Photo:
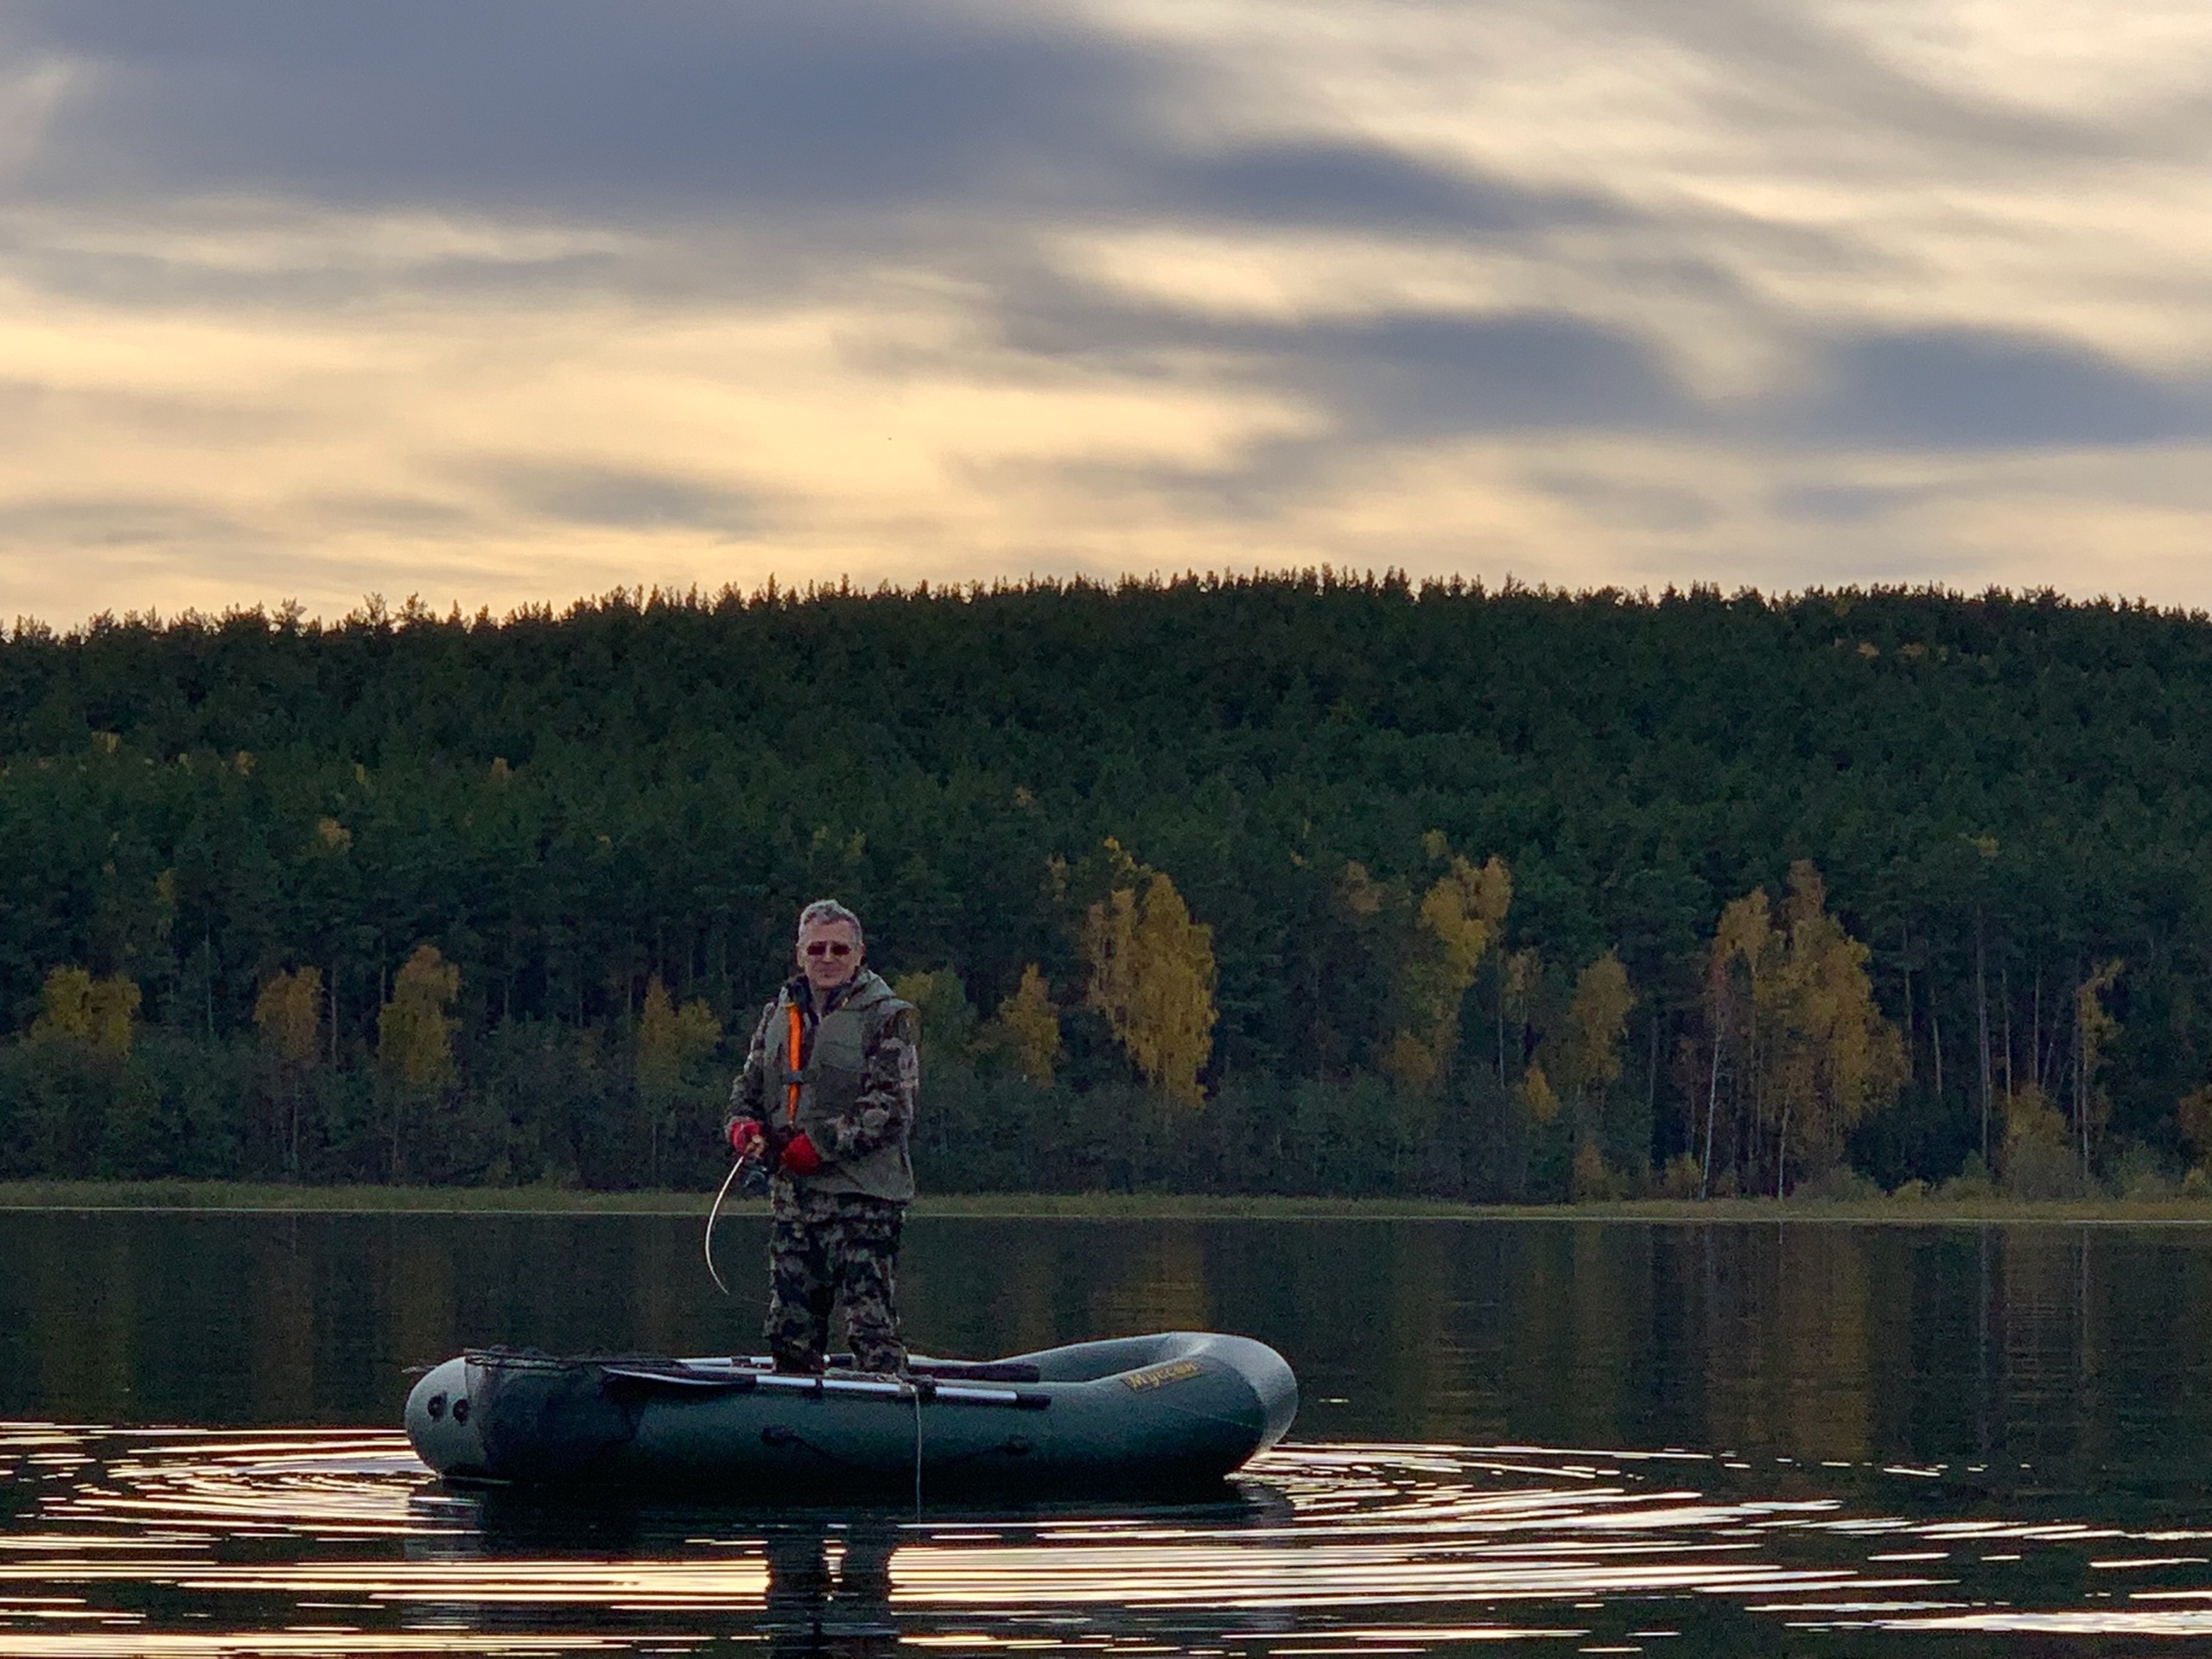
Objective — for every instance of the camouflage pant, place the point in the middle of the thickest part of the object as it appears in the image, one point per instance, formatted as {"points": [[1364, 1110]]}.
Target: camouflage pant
{"points": [[825, 1248]]}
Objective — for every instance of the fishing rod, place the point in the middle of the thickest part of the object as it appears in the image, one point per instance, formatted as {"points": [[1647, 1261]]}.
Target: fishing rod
{"points": [[751, 1165]]}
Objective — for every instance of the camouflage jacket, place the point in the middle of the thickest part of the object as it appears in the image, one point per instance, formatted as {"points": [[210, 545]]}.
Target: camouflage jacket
{"points": [[853, 1093]]}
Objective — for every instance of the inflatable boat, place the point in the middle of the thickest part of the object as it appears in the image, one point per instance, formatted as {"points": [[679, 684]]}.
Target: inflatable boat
{"points": [[1177, 1410]]}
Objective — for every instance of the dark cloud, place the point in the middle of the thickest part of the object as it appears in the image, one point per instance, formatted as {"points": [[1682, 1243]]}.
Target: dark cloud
{"points": [[1355, 186], [869, 123], [1647, 506], [127, 278], [1967, 389], [1458, 374], [1399, 374], [567, 105], [655, 104], [634, 500], [1841, 504], [410, 515], [117, 521]]}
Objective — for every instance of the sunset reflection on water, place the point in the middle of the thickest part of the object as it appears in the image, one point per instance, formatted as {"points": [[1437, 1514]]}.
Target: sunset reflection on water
{"points": [[1933, 1440], [312, 1542]]}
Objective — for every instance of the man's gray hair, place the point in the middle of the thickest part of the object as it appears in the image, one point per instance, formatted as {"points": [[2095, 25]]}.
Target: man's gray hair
{"points": [[829, 909]]}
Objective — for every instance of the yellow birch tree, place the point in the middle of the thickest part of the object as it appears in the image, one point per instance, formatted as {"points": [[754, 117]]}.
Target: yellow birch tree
{"points": [[2094, 1029], [98, 1013], [1808, 1053], [1151, 977], [1744, 940], [414, 1037], [670, 1039], [1830, 1058], [64, 1007], [414, 1031], [1586, 1051], [2195, 1112], [941, 1002], [1458, 920], [1537, 1095], [2035, 1157], [289, 1014], [1027, 1027], [1581, 1058]]}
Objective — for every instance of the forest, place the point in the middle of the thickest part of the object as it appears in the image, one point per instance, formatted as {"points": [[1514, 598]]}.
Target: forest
{"points": [[1306, 883]]}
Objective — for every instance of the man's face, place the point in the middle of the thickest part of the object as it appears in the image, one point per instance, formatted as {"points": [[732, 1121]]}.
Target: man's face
{"points": [[828, 955]]}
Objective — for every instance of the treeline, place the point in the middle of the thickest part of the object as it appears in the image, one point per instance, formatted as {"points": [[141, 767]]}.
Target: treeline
{"points": [[1285, 883]]}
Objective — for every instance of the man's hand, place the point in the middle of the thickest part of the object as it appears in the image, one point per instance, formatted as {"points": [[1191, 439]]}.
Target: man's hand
{"points": [[799, 1156], [745, 1137]]}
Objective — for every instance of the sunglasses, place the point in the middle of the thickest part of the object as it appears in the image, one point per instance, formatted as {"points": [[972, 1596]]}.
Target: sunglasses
{"points": [[829, 948]]}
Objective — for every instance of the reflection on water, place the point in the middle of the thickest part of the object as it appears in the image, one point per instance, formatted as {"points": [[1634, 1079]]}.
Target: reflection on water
{"points": [[1830, 1438], [2075, 1349], [323, 1542]]}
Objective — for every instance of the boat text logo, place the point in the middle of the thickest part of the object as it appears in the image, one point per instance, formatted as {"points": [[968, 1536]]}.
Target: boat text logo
{"points": [[1156, 1376]]}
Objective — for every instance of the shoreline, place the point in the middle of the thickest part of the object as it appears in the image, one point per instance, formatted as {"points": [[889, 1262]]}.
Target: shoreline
{"points": [[234, 1198]]}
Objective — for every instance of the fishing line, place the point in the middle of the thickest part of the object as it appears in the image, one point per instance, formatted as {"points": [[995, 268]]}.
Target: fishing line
{"points": [[708, 1242]]}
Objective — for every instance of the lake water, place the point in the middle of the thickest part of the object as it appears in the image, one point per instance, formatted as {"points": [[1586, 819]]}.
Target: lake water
{"points": [[1566, 1436]]}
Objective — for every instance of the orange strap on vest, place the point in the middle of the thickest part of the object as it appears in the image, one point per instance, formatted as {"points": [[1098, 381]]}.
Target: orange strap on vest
{"points": [[798, 1037]]}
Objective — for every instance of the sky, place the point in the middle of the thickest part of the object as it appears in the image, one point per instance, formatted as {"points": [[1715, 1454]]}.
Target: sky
{"points": [[509, 302]]}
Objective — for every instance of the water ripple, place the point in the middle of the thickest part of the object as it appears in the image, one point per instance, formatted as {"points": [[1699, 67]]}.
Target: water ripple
{"points": [[322, 1543]]}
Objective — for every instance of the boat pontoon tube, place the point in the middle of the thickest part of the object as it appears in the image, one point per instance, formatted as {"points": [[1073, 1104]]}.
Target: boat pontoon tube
{"points": [[1178, 1409]]}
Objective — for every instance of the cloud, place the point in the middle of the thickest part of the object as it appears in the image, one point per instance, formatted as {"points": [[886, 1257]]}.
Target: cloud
{"points": [[1954, 388], [621, 498], [1457, 374], [1357, 186], [562, 106], [31, 523], [506, 302], [1840, 503]]}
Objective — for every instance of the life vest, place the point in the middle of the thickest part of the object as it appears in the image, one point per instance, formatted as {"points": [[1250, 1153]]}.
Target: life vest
{"points": [[823, 1083]]}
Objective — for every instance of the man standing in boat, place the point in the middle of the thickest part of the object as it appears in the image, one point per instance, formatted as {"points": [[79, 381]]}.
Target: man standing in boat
{"points": [[827, 1099]]}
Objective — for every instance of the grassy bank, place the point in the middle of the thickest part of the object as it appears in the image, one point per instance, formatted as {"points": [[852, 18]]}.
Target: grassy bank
{"points": [[246, 1198]]}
